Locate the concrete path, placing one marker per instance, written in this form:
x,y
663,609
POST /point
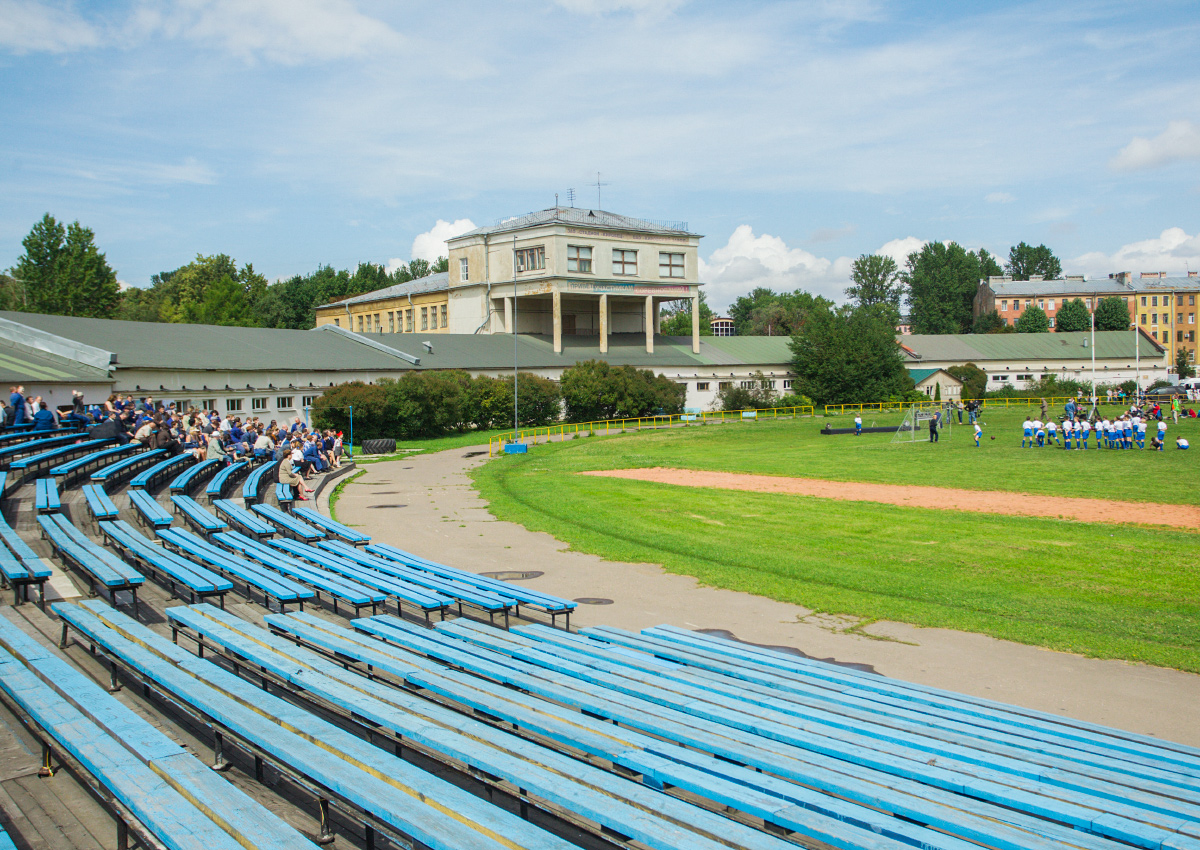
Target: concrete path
x,y
434,511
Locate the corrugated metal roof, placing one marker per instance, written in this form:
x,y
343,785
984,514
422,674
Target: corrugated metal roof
x,y
1177,282
919,375
1022,288
430,283
197,347
20,363
964,348
581,218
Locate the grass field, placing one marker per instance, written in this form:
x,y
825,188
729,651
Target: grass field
x,y
1111,591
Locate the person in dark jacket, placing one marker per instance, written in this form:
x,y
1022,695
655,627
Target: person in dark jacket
x,y
933,429
44,419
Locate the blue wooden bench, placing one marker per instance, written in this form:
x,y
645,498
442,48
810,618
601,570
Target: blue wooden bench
x,y
377,789
284,496
19,575
9,438
175,800
66,472
163,469
148,510
332,526
643,814
12,451
187,479
246,521
269,583
256,481
421,598
29,569
288,524
168,567
97,564
197,516
27,467
115,472
6,842
100,504
216,485
337,587
46,499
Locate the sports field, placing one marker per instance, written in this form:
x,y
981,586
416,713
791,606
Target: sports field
x,y
1101,589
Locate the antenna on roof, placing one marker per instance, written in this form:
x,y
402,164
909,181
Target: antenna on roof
x,y
571,197
556,200
598,184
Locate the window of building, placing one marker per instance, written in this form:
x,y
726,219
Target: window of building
x,y
360,324
463,269
1191,300
702,386
670,265
258,404
408,320
1027,303
1143,300
1179,336
283,402
307,401
1004,306
1154,318
368,322
378,324
1191,318
624,262
208,404
1191,336
1050,304
999,377
1166,300
1153,300
1024,377
445,320
748,385
531,259
391,323
1088,303
787,384
424,318
233,405
337,323
1041,304
1051,321
724,385
1143,318
579,258
1179,318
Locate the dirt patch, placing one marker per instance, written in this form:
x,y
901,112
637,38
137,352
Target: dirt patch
x,y
945,498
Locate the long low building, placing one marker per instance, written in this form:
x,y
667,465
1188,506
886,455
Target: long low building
x,y
278,374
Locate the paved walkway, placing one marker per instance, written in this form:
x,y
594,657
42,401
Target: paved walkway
x,y
434,511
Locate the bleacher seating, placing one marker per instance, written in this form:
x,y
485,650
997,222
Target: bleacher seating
x,y
421,598
99,504
552,605
216,485
197,516
9,438
65,472
27,467
331,526
247,522
148,510
163,469
337,587
20,567
177,800
284,496
256,481
375,787
12,451
288,524
46,499
168,567
98,565
271,584
185,480
114,472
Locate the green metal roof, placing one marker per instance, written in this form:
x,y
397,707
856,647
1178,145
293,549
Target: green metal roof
x,y
19,363
919,375
965,348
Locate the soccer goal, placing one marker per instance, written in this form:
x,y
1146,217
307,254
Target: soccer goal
x,y
915,427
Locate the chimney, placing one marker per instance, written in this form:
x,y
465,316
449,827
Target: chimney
x,y
1121,277
1193,274
995,278
1159,275
1037,277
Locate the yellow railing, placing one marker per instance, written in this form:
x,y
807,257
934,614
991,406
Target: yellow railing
x,y
1055,401
617,426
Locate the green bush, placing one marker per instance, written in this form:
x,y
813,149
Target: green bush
x,y
370,401
592,390
490,401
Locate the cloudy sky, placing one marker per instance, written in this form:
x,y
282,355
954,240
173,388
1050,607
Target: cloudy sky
x,y
794,135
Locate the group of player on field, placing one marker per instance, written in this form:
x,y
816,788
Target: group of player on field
x,y
1121,432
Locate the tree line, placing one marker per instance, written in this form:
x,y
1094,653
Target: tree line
x,y
63,272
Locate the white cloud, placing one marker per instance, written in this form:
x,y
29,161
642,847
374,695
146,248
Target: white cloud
x,y
1179,142
432,243
27,27
1172,251
999,198
899,249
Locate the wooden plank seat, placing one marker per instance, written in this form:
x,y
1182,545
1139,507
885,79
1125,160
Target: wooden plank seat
x,y
284,496
270,584
148,510
72,469
246,521
194,474
613,803
163,469
197,516
370,786
489,603
155,788
97,564
552,605
114,472
337,587
167,567
100,504
288,524
332,526
27,467
46,499
17,574
418,597
217,484
12,451
9,438
256,481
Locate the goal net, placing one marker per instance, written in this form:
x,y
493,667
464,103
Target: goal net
x,y
915,427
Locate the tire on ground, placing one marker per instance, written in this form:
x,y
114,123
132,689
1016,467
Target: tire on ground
x,y
378,447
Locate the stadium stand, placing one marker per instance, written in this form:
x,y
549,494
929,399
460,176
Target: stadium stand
x,y
27,467
167,567
196,516
20,567
284,496
247,522
28,446
331,526
99,504
194,474
256,481
148,478
116,472
217,484
97,564
46,499
148,510
288,524
67,472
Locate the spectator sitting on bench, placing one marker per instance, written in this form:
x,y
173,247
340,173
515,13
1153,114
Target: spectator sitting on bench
x,y
45,419
289,476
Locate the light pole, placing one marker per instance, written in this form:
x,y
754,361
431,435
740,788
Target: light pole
x,y
514,329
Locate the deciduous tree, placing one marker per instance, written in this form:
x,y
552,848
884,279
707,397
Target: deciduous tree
x,y
63,272
677,318
1025,261
848,355
1033,321
876,281
1112,314
1073,315
942,280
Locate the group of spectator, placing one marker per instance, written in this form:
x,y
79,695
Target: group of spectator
x,y
22,410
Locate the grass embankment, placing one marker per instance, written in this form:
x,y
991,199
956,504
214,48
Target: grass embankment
x,y
1110,591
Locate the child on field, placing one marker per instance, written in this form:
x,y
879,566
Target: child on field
x,y
1027,432
1162,434
979,433
1052,432
1084,428
1180,442
1039,431
1068,431
858,426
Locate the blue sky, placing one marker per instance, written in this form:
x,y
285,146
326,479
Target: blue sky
x,y
795,136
